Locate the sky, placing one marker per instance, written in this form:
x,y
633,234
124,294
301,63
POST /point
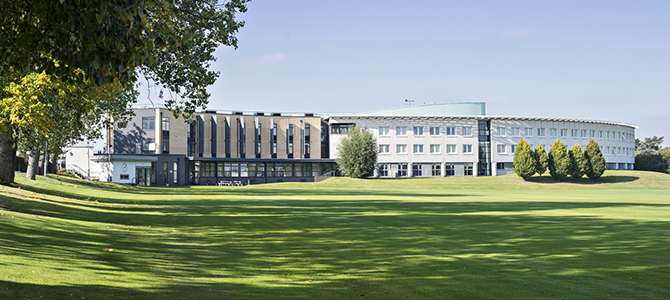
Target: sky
x,y
598,60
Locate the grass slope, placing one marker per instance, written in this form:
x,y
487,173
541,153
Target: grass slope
x,y
445,238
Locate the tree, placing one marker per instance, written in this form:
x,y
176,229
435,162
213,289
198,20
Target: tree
x,y
559,161
542,159
650,160
105,44
595,161
665,153
653,143
525,164
577,161
358,153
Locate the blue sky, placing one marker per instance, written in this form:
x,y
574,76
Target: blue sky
x,y
603,60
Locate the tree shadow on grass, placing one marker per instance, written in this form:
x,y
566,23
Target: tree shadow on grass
x,y
584,180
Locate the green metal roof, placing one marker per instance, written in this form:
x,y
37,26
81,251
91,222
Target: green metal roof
x,y
438,109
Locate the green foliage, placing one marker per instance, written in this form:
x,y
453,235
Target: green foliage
x,y
559,161
653,143
594,159
525,164
578,162
665,153
358,153
542,159
650,160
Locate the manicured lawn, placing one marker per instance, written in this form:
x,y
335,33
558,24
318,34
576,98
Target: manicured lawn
x,y
442,238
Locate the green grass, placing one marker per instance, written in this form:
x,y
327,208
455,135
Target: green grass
x,y
444,238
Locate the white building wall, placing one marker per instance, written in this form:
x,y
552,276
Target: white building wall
x,y
127,168
79,160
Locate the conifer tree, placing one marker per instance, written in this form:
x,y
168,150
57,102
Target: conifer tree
x,y
559,161
524,160
595,160
578,162
542,159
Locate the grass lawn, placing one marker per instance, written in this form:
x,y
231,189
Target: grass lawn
x,y
443,238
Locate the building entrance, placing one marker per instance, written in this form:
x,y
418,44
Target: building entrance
x,y
143,176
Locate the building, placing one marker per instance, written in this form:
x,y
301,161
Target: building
x,y
459,139
155,148
449,139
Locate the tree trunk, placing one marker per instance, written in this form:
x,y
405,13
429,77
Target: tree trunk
x,y
33,162
7,156
52,166
40,168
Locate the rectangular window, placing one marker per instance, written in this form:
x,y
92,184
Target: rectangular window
x,y
383,131
148,123
273,140
384,149
418,130
434,149
466,131
451,149
501,131
174,174
564,132
501,149
401,131
467,169
417,170
467,148
608,150
435,131
512,148
600,134
213,136
340,128
383,170
289,141
500,166
529,131
608,135
552,132
241,138
165,124
449,170
451,131
515,131
540,132
573,133
257,140
402,170
148,145
583,133
401,149
418,149
124,176
592,134
436,170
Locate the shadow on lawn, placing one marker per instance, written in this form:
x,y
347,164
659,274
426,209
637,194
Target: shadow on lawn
x,y
585,180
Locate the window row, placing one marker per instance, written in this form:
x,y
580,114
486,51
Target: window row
x,y
617,151
419,148
424,170
564,132
419,131
228,169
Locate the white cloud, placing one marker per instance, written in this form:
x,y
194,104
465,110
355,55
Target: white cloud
x,y
513,34
271,59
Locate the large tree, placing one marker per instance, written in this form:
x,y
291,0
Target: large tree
x,y
542,159
653,143
358,153
102,43
559,161
525,163
594,159
578,162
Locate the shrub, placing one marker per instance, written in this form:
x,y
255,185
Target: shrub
x,y
559,161
357,153
525,164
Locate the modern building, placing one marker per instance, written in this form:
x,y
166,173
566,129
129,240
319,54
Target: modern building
x,y
459,139
449,139
216,147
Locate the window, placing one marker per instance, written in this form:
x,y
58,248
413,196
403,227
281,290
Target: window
x,y
289,141
401,131
608,150
451,149
583,133
501,149
500,166
258,136
401,149
434,149
124,176
273,139
501,131
402,170
564,132
340,128
148,145
383,170
573,133
418,130
436,169
449,170
467,148
435,131
466,131
148,123
208,169
165,124
417,170
552,132
418,149
515,131
384,149
592,134
540,132
174,174
383,131
451,131
513,148
529,131
600,134
467,169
